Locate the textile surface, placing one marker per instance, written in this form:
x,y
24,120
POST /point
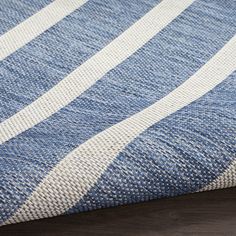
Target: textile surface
x,y
111,102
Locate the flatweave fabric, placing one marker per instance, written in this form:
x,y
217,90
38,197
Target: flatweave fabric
x,y
111,102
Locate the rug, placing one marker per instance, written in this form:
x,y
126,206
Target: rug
x,y
112,102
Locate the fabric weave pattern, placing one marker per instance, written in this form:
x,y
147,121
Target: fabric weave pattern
x,y
104,103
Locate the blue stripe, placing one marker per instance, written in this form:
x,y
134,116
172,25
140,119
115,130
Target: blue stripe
x,y
13,12
178,155
38,66
161,65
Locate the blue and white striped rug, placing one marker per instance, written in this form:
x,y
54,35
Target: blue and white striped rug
x,y
110,102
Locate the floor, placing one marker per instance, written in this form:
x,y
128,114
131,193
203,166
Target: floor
x,y
209,213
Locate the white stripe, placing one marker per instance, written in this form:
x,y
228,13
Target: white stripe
x,y
70,180
93,69
36,24
226,180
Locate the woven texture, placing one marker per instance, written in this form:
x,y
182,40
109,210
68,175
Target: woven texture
x,y
110,102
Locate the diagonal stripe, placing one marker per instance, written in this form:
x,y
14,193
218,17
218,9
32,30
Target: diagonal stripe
x,y
93,69
226,180
36,24
68,44
13,12
70,180
180,154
